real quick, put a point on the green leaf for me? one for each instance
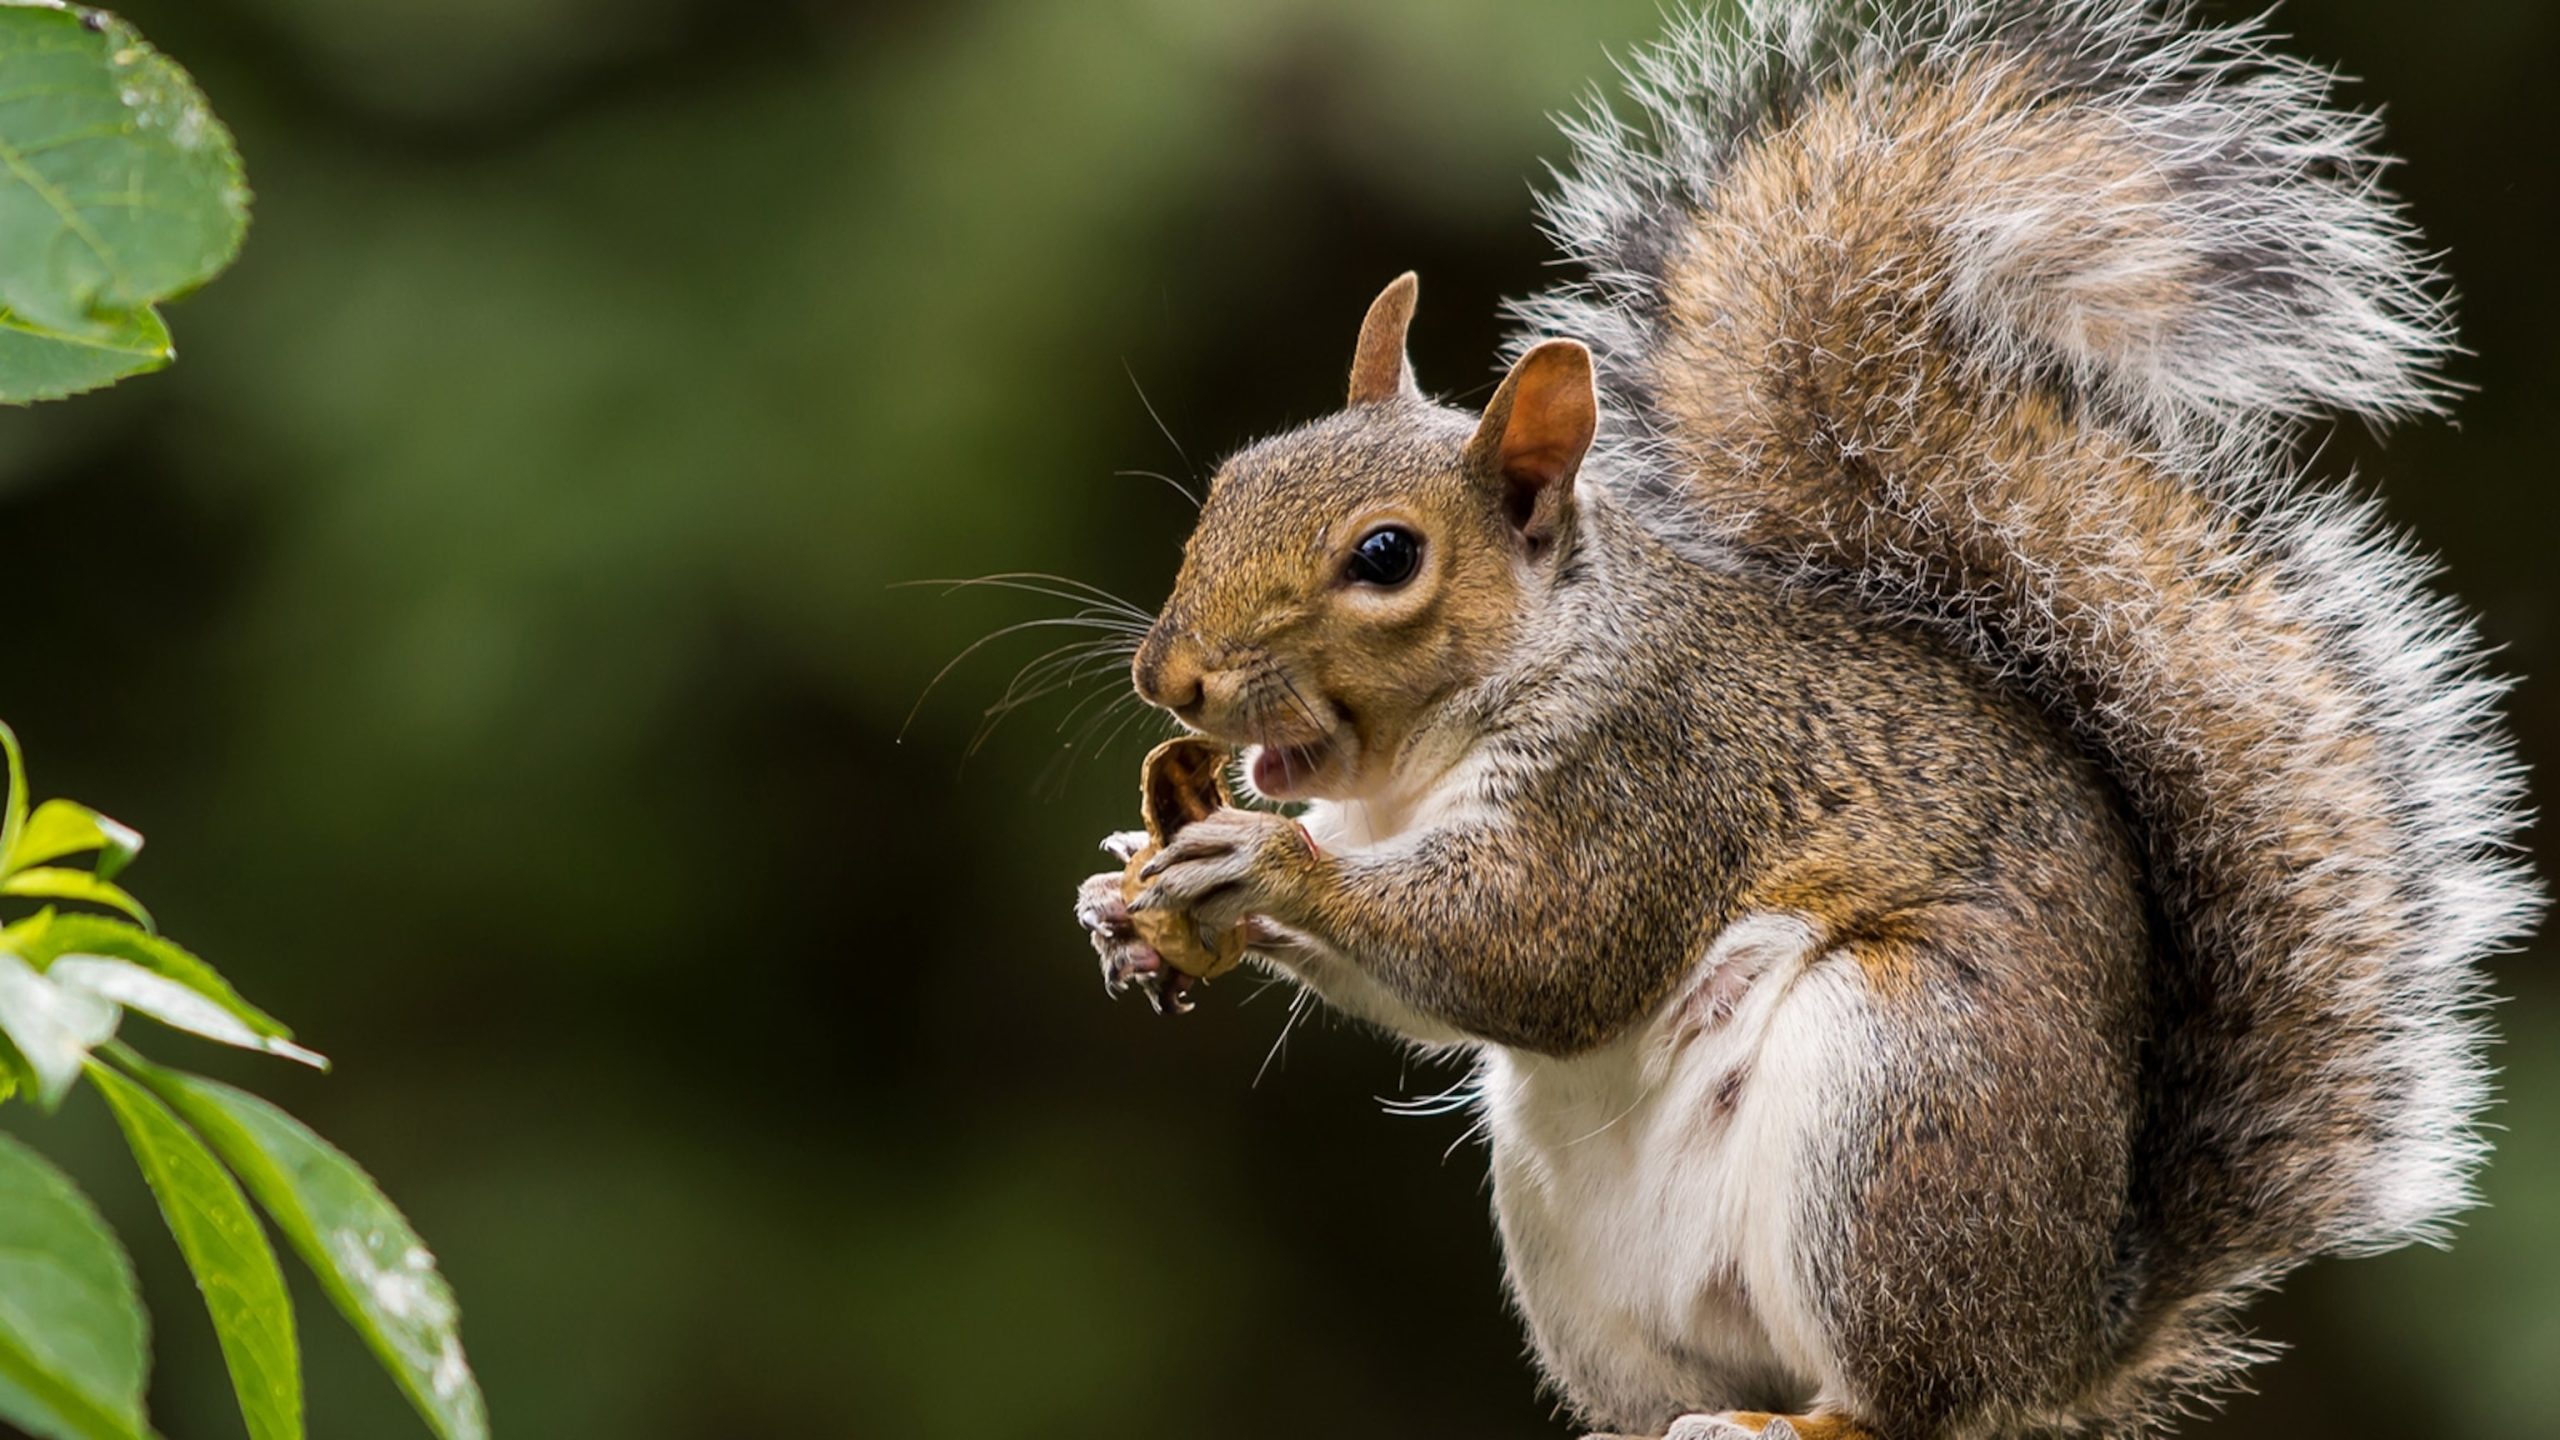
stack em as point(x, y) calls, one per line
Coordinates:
point(372, 1264)
point(53, 1028)
point(121, 982)
point(46, 935)
point(233, 1264)
point(118, 190)
point(49, 883)
point(65, 827)
point(19, 934)
point(13, 818)
point(71, 1329)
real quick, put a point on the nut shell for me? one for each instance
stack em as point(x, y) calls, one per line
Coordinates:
point(1183, 780)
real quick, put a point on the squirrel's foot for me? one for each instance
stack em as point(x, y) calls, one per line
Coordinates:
point(1758, 1425)
point(1727, 1426)
point(1709, 1427)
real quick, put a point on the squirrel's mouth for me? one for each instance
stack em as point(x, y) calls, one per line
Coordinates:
point(1304, 771)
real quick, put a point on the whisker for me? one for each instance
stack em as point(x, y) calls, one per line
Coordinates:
point(1264, 984)
point(1063, 665)
point(1297, 1008)
point(1179, 488)
point(1461, 1093)
point(1120, 626)
point(1298, 698)
point(1612, 1122)
point(1110, 698)
point(1058, 669)
point(1110, 706)
point(1049, 577)
point(1078, 592)
point(1067, 672)
point(1053, 777)
point(1138, 710)
point(983, 642)
point(1482, 1125)
point(1073, 747)
point(1161, 427)
point(1476, 1129)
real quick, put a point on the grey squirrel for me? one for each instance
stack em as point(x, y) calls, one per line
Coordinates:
point(1957, 864)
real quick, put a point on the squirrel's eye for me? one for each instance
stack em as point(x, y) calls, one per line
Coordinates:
point(1385, 557)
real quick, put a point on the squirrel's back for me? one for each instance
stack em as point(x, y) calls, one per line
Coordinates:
point(2005, 316)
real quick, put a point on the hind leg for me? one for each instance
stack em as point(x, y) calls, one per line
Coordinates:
point(1962, 1269)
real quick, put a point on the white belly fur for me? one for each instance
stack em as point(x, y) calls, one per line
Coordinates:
point(1649, 1199)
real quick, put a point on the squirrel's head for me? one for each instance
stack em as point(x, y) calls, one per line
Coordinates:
point(1349, 575)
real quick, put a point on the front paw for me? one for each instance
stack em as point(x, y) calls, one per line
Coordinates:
point(1129, 964)
point(1100, 910)
point(1231, 865)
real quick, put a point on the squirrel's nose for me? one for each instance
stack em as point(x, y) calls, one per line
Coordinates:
point(1168, 676)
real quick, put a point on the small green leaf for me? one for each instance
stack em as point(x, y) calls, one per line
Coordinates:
point(13, 818)
point(121, 982)
point(65, 827)
point(72, 1357)
point(118, 190)
point(53, 1028)
point(20, 934)
point(233, 1264)
point(372, 1264)
point(45, 935)
point(49, 883)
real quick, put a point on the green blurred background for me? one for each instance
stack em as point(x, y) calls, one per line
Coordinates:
point(489, 620)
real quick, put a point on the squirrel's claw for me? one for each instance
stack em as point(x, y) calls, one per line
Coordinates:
point(1168, 991)
point(1128, 963)
point(1099, 908)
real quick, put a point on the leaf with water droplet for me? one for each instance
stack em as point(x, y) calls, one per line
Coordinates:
point(66, 827)
point(72, 1356)
point(371, 1262)
point(47, 935)
point(233, 1264)
point(118, 190)
point(124, 983)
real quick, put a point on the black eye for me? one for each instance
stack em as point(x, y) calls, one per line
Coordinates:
point(1385, 557)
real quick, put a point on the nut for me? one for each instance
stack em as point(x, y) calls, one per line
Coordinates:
point(1184, 780)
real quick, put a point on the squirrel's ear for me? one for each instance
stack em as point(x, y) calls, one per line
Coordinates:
point(1535, 432)
point(1379, 370)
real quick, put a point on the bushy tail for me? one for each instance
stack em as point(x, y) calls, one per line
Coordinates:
point(2009, 316)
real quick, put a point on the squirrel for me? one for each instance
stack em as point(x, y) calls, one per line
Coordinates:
point(1956, 860)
